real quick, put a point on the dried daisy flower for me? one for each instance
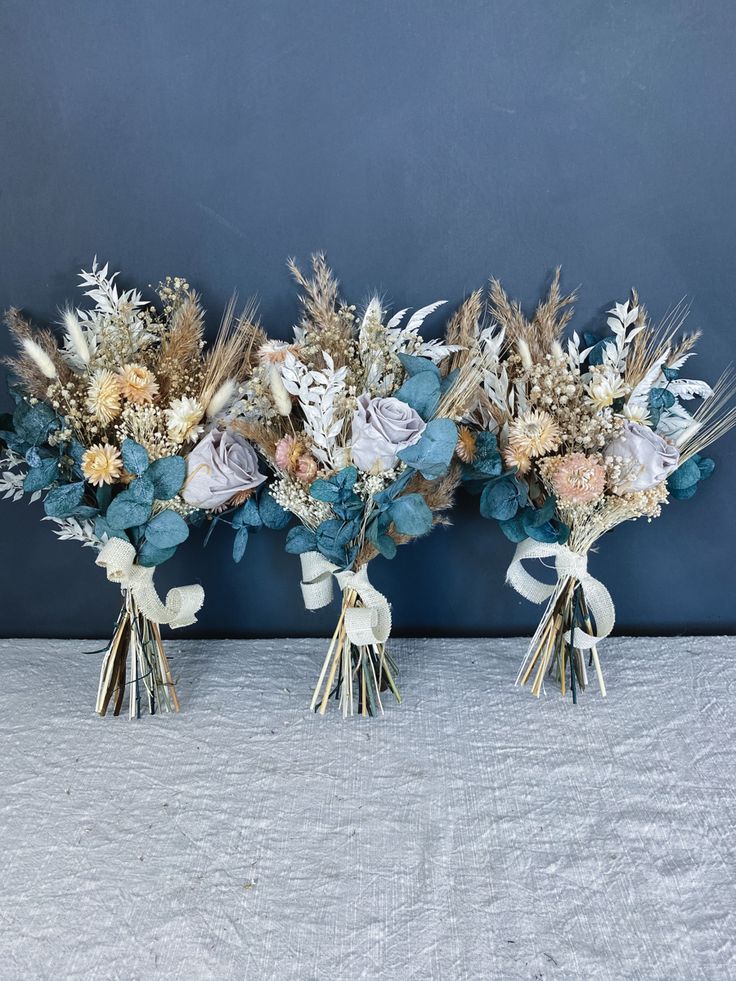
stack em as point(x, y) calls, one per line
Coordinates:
point(183, 418)
point(138, 383)
point(102, 464)
point(604, 387)
point(103, 396)
point(513, 457)
point(466, 444)
point(534, 433)
point(637, 413)
point(576, 478)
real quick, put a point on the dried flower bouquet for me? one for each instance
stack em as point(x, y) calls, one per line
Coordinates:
point(568, 440)
point(355, 416)
point(102, 423)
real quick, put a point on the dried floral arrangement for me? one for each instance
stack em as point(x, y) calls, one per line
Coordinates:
point(568, 439)
point(356, 418)
point(104, 429)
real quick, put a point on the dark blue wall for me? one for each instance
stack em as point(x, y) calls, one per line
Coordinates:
point(424, 145)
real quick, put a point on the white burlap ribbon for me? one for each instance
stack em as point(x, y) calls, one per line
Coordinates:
point(366, 625)
point(569, 565)
point(117, 558)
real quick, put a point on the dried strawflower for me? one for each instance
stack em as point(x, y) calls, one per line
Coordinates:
point(103, 396)
point(576, 478)
point(183, 418)
point(102, 464)
point(466, 444)
point(287, 453)
point(513, 457)
point(306, 468)
point(534, 433)
point(605, 386)
point(138, 383)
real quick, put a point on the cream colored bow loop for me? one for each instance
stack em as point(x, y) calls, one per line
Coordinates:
point(117, 558)
point(366, 625)
point(568, 565)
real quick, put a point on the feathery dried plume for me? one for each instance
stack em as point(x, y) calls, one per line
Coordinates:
point(265, 437)
point(37, 354)
point(75, 336)
point(230, 356)
point(462, 330)
point(180, 346)
point(222, 398)
point(39, 360)
point(321, 292)
point(546, 326)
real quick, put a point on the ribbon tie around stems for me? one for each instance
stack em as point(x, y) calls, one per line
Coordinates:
point(366, 625)
point(569, 565)
point(117, 558)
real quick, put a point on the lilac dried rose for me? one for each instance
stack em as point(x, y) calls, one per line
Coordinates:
point(220, 466)
point(382, 427)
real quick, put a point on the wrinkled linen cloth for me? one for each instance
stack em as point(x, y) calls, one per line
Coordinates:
point(471, 833)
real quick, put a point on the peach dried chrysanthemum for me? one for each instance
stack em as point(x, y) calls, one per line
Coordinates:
point(466, 444)
point(577, 479)
point(103, 396)
point(138, 383)
point(102, 464)
point(514, 458)
point(534, 433)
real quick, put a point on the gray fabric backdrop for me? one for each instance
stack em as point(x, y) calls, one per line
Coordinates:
point(424, 145)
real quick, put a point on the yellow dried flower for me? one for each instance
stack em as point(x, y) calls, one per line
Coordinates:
point(534, 433)
point(103, 396)
point(466, 444)
point(101, 464)
point(138, 383)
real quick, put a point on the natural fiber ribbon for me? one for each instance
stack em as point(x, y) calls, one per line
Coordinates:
point(117, 558)
point(366, 625)
point(569, 565)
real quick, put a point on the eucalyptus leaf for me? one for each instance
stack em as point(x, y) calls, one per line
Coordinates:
point(167, 530)
point(414, 365)
point(62, 502)
point(432, 455)
point(240, 543)
point(686, 475)
point(40, 476)
point(300, 539)
point(150, 555)
point(125, 512)
point(411, 515)
point(500, 499)
point(135, 457)
point(422, 393)
point(273, 515)
point(167, 476)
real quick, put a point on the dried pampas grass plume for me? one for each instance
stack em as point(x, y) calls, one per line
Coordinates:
point(75, 336)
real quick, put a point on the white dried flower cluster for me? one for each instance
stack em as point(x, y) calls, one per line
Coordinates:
point(293, 496)
point(147, 425)
point(369, 484)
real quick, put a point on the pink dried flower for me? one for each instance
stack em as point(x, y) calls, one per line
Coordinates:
point(306, 468)
point(577, 479)
point(285, 454)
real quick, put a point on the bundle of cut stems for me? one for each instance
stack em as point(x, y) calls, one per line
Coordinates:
point(552, 649)
point(135, 660)
point(354, 675)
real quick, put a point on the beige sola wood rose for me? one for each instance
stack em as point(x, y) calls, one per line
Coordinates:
point(221, 466)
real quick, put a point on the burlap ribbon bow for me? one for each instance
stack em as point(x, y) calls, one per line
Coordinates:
point(366, 625)
point(117, 558)
point(568, 565)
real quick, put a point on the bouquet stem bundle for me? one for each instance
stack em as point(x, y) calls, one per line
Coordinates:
point(354, 674)
point(136, 653)
point(552, 650)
